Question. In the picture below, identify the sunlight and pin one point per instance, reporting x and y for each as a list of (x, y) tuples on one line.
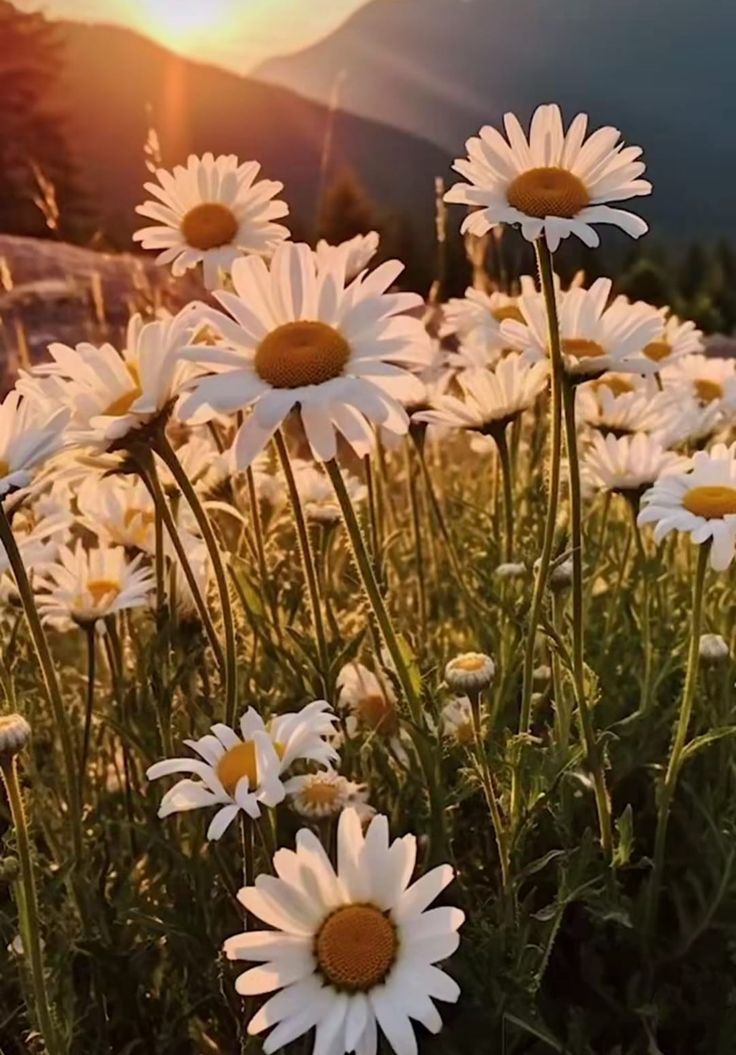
[(182, 22)]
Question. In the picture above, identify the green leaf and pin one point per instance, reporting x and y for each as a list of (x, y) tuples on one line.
[(703, 741), (536, 1029), (625, 828), (410, 660)]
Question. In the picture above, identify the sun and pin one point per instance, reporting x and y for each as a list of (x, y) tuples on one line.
[(183, 22)]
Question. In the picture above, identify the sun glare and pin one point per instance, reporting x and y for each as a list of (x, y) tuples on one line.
[(181, 22)]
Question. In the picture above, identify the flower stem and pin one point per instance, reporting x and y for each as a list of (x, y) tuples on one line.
[(546, 278), (89, 703), (674, 765), (646, 629), (51, 683), (28, 909), (375, 533), (592, 752), (416, 530), (305, 549), (490, 793), (168, 455), (507, 476), (389, 635)]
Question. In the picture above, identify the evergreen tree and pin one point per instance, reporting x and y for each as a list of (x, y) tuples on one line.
[(346, 210), (38, 192)]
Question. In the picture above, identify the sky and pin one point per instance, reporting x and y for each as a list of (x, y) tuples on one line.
[(237, 34)]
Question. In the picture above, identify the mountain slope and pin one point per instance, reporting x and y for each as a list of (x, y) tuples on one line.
[(657, 69), (113, 75)]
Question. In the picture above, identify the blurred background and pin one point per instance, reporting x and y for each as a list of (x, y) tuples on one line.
[(359, 107)]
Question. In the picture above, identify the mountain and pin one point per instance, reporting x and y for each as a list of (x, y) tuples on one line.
[(116, 83), (661, 70)]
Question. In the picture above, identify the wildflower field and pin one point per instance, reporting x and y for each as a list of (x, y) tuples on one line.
[(367, 678)]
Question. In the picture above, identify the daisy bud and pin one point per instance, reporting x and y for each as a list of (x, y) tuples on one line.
[(457, 720), (15, 732), (540, 676), (9, 869), (509, 571), (470, 672), (560, 575), (713, 649)]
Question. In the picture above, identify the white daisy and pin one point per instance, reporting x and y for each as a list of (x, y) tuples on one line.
[(679, 339), (555, 183), (31, 431), (244, 772), (708, 380), (628, 464), (624, 403), (82, 585), (357, 252), (110, 395), (210, 212), (596, 335), (491, 398), (371, 702), (326, 794), (713, 648), (15, 733), (686, 420), (199, 563), (299, 338), (352, 950), (470, 672), (700, 502), (476, 319), (457, 720), (317, 493), (119, 510)]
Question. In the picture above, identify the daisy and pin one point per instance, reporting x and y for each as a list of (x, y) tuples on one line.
[(629, 464), (31, 431), (708, 380), (357, 252), (477, 317), (15, 733), (371, 702), (687, 421), (555, 183), (596, 335), (299, 337), (491, 398), (353, 949), (470, 672), (112, 396), (712, 648), (679, 339), (700, 501), (457, 720), (326, 794), (38, 540), (199, 564), (624, 403), (83, 585), (210, 212), (244, 772), (119, 510), (318, 496)]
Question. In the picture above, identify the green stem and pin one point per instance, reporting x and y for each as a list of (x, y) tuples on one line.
[(305, 549), (89, 703), (563, 717), (490, 793), (159, 560), (646, 628), (592, 752), (546, 278), (412, 695), (148, 474), (168, 455), (507, 476), (679, 742), (375, 533), (255, 516), (28, 910), (51, 683), (416, 530)]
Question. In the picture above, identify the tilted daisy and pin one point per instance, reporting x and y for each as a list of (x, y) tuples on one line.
[(31, 432), (299, 337), (38, 538), (326, 794), (84, 585), (596, 335), (678, 339), (318, 496), (244, 772), (491, 398), (353, 949), (371, 701), (554, 183), (628, 465), (457, 720), (687, 421), (211, 211), (620, 404), (112, 396), (477, 317), (700, 502), (358, 252), (709, 380), (119, 510)]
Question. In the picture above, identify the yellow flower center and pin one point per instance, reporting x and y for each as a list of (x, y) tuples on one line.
[(548, 191), (508, 311), (143, 516), (708, 391), (464, 732), (102, 591), (122, 404), (469, 663), (209, 226), (241, 761), (378, 713), (4, 467), (582, 348), (301, 353), (657, 350), (321, 793), (617, 384), (355, 947), (711, 501)]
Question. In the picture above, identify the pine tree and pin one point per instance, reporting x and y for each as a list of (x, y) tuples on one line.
[(38, 191), (346, 210)]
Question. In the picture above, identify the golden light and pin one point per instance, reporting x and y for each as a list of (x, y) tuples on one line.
[(183, 22)]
